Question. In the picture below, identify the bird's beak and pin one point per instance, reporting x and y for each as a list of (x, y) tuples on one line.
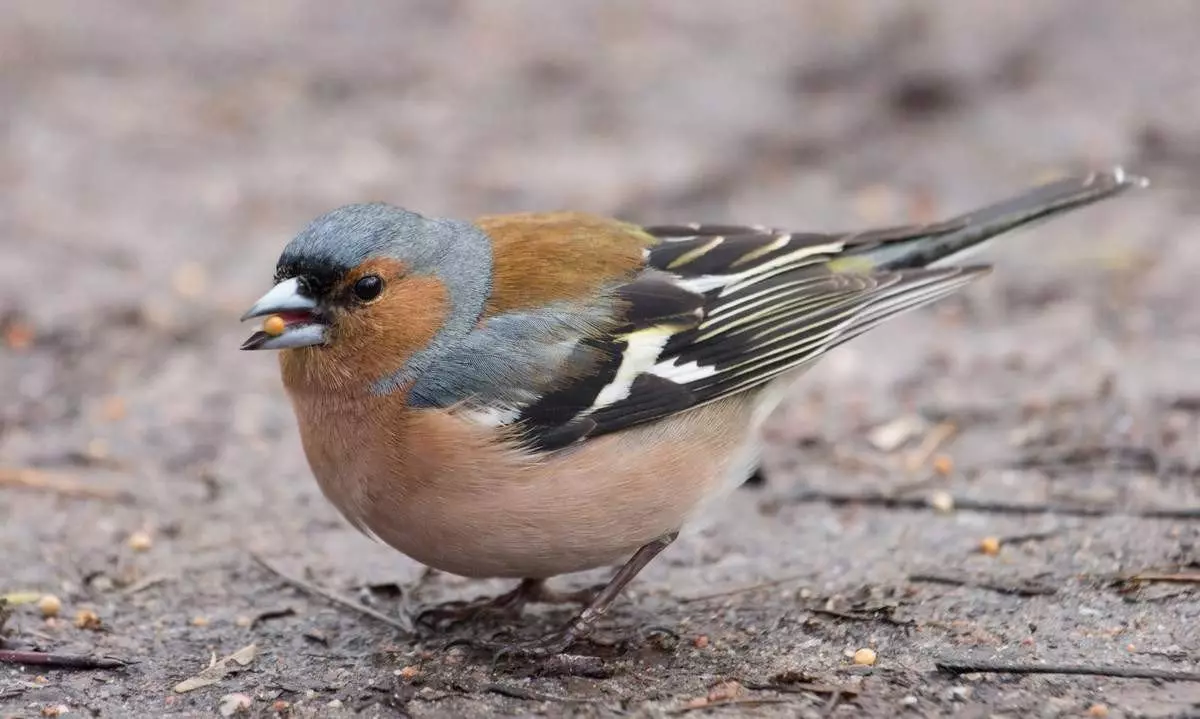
[(293, 320)]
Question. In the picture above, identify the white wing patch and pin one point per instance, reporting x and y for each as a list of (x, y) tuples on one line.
[(683, 373), (643, 351)]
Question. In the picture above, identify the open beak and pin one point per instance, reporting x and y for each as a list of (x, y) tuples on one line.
[(298, 324)]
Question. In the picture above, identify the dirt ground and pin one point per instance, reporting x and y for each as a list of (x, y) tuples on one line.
[(154, 158)]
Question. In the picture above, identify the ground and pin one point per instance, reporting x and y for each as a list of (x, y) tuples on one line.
[(154, 158)]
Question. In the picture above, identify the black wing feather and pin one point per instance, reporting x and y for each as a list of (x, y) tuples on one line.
[(722, 309)]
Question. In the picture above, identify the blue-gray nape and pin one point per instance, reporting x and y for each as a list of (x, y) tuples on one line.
[(457, 253)]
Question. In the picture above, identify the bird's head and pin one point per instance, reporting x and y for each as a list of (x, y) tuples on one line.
[(366, 291)]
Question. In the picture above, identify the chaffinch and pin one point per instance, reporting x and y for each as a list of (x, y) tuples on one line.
[(528, 395)]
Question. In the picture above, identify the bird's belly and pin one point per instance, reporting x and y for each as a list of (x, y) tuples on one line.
[(503, 515), (525, 530)]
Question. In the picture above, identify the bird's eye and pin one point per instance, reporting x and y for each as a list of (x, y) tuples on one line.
[(368, 288)]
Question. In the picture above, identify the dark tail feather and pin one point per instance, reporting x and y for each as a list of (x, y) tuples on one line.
[(971, 231)]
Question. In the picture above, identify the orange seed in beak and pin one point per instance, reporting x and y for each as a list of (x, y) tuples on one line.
[(274, 325)]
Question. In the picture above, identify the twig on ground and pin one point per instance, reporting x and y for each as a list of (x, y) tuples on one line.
[(1139, 459), (801, 688), (269, 614), (890, 501), (967, 666), (745, 589), (1022, 589), (36, 479), (1029, 537), (50, 660), (1169, 577), (145, 583), (831, 706), (331, 596)]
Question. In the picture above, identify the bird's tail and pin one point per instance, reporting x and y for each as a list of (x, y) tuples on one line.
[(952, 240)]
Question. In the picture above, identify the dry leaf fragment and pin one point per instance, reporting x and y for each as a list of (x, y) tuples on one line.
[(14, 599), (219, 670)]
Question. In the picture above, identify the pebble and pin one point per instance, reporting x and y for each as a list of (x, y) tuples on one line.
[(865, 656), (140, 541), (49, 606), (942, 502), (87, 619)]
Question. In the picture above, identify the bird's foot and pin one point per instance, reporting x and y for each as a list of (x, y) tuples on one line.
[(543, 647), (504, 606), (450, 614)]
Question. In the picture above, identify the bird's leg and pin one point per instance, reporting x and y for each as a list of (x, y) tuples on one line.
[(584, 622), (446, 615)]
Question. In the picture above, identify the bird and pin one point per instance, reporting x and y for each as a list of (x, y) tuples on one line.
[(534, 394)]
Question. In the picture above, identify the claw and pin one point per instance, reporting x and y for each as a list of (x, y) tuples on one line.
[(450, 614)]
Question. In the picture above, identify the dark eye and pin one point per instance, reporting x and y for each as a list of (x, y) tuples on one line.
[(368, 288)]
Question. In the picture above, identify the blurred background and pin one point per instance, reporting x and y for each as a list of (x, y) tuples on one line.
[(154, 159)]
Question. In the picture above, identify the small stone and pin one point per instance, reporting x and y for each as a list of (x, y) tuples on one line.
[(199, 621), (701, 641), (890, 436), (87, 619), (236, 703), (408, 672), (55, 710), (1099, 711), (990, 546), (334, 704), (279, 706), (960, 694), (140, 541), (865, 657), (942, 502), (49, 606), (697, 702), (943, 464), (243, 621)]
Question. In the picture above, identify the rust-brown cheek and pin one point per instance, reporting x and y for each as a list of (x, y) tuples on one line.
[(370, 341)]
